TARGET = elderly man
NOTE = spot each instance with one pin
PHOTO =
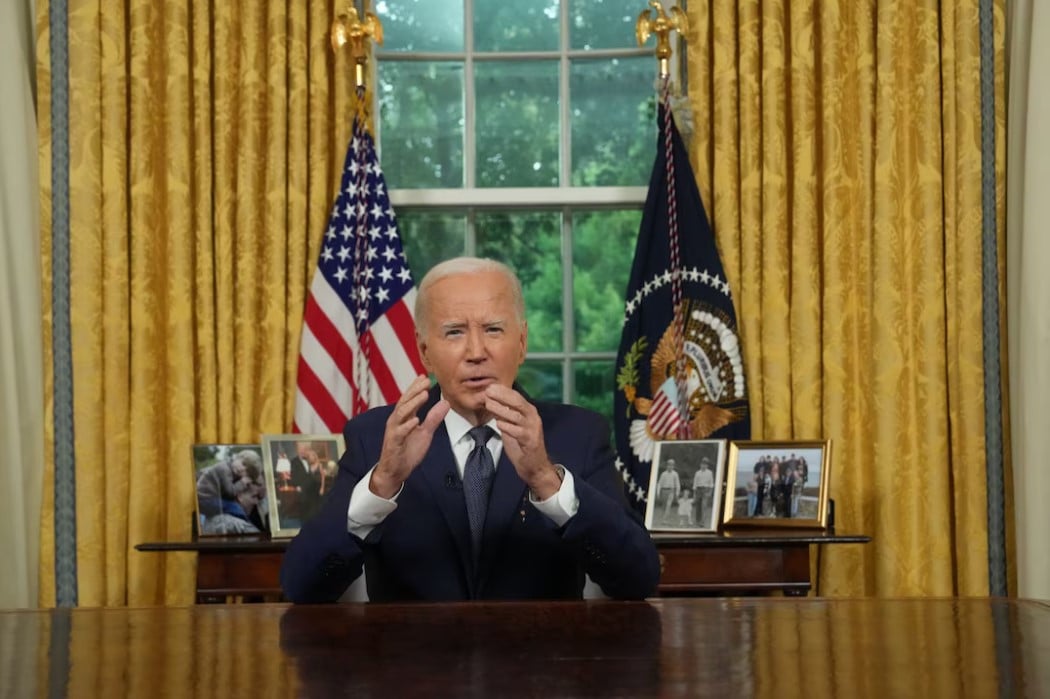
(469, 489)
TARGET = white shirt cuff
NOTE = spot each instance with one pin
(561, 506)
(367, 510)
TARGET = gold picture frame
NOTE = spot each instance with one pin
(300, 470)
(778, 484)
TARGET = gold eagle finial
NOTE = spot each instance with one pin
(650, 22)
(348, 28)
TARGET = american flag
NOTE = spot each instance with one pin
(358, 345)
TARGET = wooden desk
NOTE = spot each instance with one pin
(733, 563)
(749, 647)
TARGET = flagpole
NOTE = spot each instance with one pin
(654, 20)
(349, 28)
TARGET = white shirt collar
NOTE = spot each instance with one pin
(457, 427)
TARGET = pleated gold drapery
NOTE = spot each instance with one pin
(838, 148)
(205, 142)
(840, 144)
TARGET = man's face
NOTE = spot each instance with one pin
(472, 339)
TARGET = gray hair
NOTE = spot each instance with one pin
(250, 460)
(466, 265)
(247, 456)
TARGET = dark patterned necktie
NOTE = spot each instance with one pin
(477, 482)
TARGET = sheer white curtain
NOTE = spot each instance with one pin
(21, 395)
(1028, 280)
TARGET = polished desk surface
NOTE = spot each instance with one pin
(748, 647)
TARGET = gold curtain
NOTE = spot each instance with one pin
(205, 142)
(840, 144)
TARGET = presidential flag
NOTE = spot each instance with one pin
(679, 370)
(358, 346)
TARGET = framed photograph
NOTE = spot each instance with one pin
(685, 486)
(231, 489)
(778, 484)
(300, 469)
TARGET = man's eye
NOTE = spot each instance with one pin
(494, 330)
(453, 333)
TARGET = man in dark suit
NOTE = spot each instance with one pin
(399, 507)
(307, 496)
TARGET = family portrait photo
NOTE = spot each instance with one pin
(778, 483)
(300, 469)
(231, 489)
(685, 486)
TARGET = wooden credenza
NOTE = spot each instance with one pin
(730, 563)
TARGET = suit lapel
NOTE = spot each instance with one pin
(439, 471)
(506, 501)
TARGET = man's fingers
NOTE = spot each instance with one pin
(498, 394)
(508, 405)
(411, 400)
(436, 415)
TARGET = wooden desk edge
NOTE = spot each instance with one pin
(661, 539)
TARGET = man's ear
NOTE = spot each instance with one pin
(524, 342)
(421, 344)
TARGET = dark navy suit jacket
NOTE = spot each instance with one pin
(422, 550)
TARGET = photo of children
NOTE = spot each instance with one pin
(685, 485)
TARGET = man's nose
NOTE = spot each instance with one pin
(475, 344)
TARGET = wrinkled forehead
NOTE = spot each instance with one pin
(479, 297)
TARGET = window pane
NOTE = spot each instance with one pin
(516, 25)
(421, 123)
(603, 24)
(530, 243)
(595, 383)
(603, 248)
(421, 25)
(517, 124)
(613, 121)
(429, 238)
(542, 380)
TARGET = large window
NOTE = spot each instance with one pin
(524, 130)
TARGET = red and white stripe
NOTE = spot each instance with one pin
(329, 391)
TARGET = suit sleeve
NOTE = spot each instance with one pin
(324, 558)
(614, 546)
